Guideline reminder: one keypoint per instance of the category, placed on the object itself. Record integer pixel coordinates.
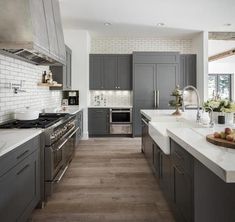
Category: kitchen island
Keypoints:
(196, 177)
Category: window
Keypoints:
(219, 85)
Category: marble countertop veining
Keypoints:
(192, 138)
(12, 138)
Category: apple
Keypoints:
(228, 130)
(222, 135)
(217, 135)
(229, 137)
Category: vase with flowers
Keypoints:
(220, 107)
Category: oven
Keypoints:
(59, 154)
(121, 121)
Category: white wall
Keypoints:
(200, 47)
(79, 42)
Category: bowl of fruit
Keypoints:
(225, 138)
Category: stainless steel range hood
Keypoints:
(29, 30)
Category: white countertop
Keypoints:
(192, 138)
(67, 109)
(109, 107)
(12, 138)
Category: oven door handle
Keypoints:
(61, 145)
(120, 111)
(59, 176)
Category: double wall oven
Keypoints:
(121, 121)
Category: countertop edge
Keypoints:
(15, 145)
(215, 168)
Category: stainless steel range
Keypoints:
(60, 141)
(59, 144)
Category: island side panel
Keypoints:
(214, 199)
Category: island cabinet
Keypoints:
(110, 72)
(20, 181)
(182, 178)
(98, 121)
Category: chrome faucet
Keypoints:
(198, 100)
(211, 123)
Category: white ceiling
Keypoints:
(182, 18)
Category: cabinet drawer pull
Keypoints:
(22, 154)
(23, 169)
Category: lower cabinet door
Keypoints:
(20, 190)
(166, 175)
(183, 194)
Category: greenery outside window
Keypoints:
(220, 86)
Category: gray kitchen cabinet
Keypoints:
(143, 88)
(182, 165)
(51, 29)
(124, 72)
(59, 30)
(98, 121)
(110, 72)
(155, 75)
(166, 78)
(157, 160)
(96, 72)
(166, 182)
(188, 70)
(63, 73)
(79, 118)
(20, 182)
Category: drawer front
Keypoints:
(15, 156)
(181, 159)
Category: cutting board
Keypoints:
(220, 142)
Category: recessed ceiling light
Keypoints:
(161, 24)
(107, 24)
(227, 24)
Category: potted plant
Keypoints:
(177, 103)
(220, 107)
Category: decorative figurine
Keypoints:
(177, 103)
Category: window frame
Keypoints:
(230, 81)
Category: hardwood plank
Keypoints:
(109, 180)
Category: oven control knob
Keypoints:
(53, 136)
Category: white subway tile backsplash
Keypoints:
(128, 45)
(13, 71)
(110, 98)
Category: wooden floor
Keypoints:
(108, 181)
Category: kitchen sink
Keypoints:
(158, 131)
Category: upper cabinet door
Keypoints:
(59, 30)
(51, 29)
(96, 72)
(39, 24)
(188, 70)
(124, 75)
(110, 72)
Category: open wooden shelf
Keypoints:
(50, 85)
